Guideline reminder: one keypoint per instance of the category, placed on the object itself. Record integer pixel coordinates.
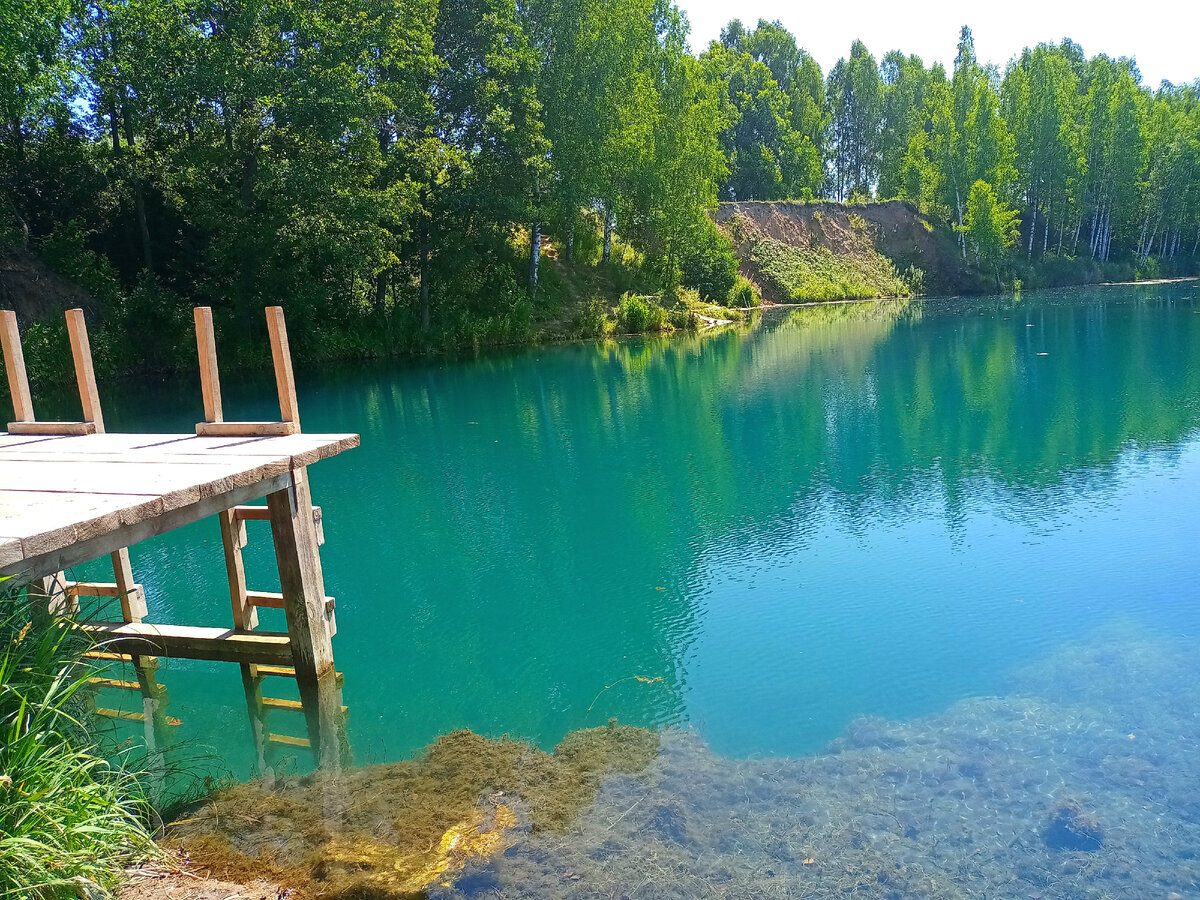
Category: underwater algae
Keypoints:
(394, 830)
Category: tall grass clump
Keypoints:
(70, 820)
(636, 315)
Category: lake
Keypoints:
(827, 555)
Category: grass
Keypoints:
(70, 820)
(816, 273)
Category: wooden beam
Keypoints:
(246, 429)
(289, 740)
(85, 374)
(245, 616)
(133, 597)
(210, 378)
(281, 356)
(83, 550)
(14, 366)
(192, 642)
(46, 428)
(262, 514)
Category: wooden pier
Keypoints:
(71, 493)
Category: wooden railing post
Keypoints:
(14, 367)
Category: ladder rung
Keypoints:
(120, 714)
(289, 672)
(115, 683)
(104, 654)
(289, 740)
(279, 703)
(262, 514)
(94, 589)
(273, 600)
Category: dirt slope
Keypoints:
(34, 292)
(855, 235)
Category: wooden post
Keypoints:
(210, 379)
(308, 617)
(14, 365)
(85, 375)
(133, 597)
(281, 355)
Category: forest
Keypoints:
(391, 171)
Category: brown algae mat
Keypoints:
(394, 830)
(1081, 783)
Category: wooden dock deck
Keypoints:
(65, 500)
(71, 493)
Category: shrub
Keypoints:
(591, 319)
(744, 293)
(914, 277)
(708, 264)
(636, 315)
(68, 817)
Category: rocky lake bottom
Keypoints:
(1082, 782)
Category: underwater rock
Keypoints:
(1073, 827)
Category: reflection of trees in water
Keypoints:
(523, 511)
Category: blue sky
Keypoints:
(1164, 36)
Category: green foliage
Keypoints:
(68, 817)
(988, 226)
(709, 264)
(637, 315)
(815, 273)
(744, 293)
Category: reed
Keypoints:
(70, 818)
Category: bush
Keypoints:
(914, 277)
(68, 817)
(591, 319)
(709, 264)
(744, 293)
(637, 315)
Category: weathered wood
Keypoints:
(245, 429)
(93, 589)
(133, 597)
(300, 576)
(115, 683)
(91, 546)
(48, 428)
(192, 642)
(281, 356)
(262, 514)
(210, 378)
(177, 473)
(289, 740)
(85, 373)
(245, 616)
(14, 366)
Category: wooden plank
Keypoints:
(289, 740)
(134, 531)
(14, 366)
(10, 551)
(85, 374)
(115, 683)
(193, 642)
(77, 428)
(289, 672)
(120, 714)
(245, 429)
(93, 589)
(245, 616)
(50, 520)
(262, 514)
(210, 378)
(281, 357)
(133, 597)
(279, 703)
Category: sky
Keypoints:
(1163, 36)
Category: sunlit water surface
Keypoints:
(758, 536)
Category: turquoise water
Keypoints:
(760, 535)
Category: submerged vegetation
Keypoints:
(394, 830)
(70, 819)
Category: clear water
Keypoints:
(874, 509)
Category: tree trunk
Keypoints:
(1032, 229)
(381, 286)
(139, 196)
(423, 269)
(608, 230)
(535, 256)
(571, 244)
